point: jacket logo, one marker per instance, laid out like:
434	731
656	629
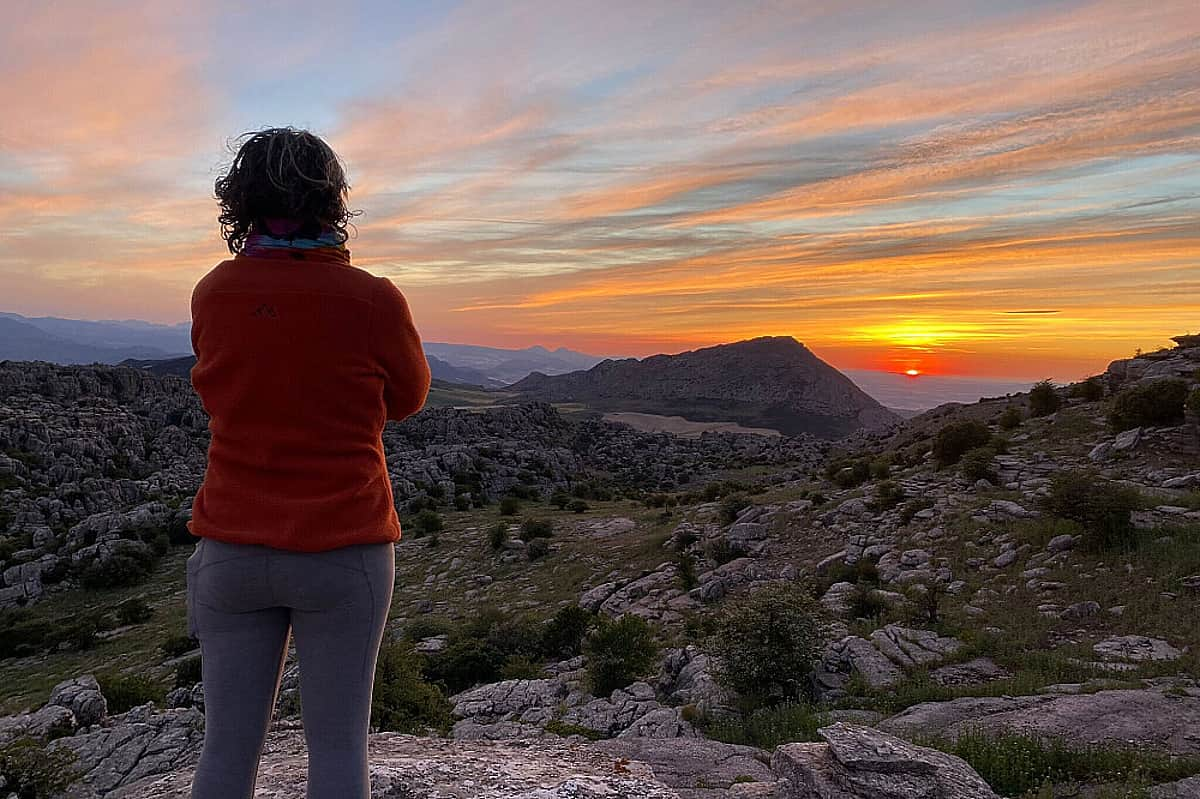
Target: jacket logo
265	311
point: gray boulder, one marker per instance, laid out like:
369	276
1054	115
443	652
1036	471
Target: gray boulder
858	762
82	697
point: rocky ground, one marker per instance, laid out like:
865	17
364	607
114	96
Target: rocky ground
955	604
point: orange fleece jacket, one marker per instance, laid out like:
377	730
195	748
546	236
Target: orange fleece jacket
301	358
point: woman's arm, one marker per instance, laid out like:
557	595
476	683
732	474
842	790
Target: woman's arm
396	347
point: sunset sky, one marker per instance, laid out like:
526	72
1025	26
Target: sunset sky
980	188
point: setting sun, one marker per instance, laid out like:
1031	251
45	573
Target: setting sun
912	372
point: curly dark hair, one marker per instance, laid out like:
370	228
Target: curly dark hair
282	173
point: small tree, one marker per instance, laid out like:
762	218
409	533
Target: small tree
1043	399
563	635
428	522
766	642
509	506
1090	390
1010	419
956	438
1159	402
1102	508
536	528
619	653
498	535
976	464
402	700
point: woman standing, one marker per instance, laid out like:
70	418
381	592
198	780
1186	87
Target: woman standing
300	360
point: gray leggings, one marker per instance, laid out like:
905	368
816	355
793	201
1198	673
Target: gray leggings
243	602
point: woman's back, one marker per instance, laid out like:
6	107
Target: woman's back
301	359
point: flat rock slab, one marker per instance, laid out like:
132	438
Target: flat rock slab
1145	717
408	767
696	768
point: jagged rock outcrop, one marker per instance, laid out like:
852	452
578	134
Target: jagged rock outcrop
1164	720
858	762
433	768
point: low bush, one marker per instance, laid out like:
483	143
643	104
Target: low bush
1102	509
1010	418
21	636
731	506
521	667
866	603
116	571
1090	390
125	691
560	499
578	506
536	528
498	535
767	641
464	663
1193	402
619	652
913	507
509	506
720	551
134	610
1159	402
957	438
1016	764
537	549
177	645
403	701
848	473
976	464
187	672
768	727
562	636
687	571
888	494
1043	399
30	770
428	522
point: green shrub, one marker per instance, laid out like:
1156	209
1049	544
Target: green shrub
119	570
768	727
21	636
913	507
1090	390
427	522
1016	764
687	571
1102	508
78	632
562	636
848	473
509	506
957	438
976	464
403	701
566	729
1010	418
536	528
134	610
1193	402
537	549
1043	399
30	770
498	535
187	672
720	551
1159	402
578	506
888	494
465	663
866	603
731	506
462	501
520	667
619	652
765	642
125	691
177	645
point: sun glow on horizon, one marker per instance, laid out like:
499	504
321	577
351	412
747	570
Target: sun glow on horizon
912	372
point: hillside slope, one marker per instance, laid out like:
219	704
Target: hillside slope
771	381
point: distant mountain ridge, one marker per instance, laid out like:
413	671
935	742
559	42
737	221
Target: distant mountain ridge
770	381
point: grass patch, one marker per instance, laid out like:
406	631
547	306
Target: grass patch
1019	764
766	728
